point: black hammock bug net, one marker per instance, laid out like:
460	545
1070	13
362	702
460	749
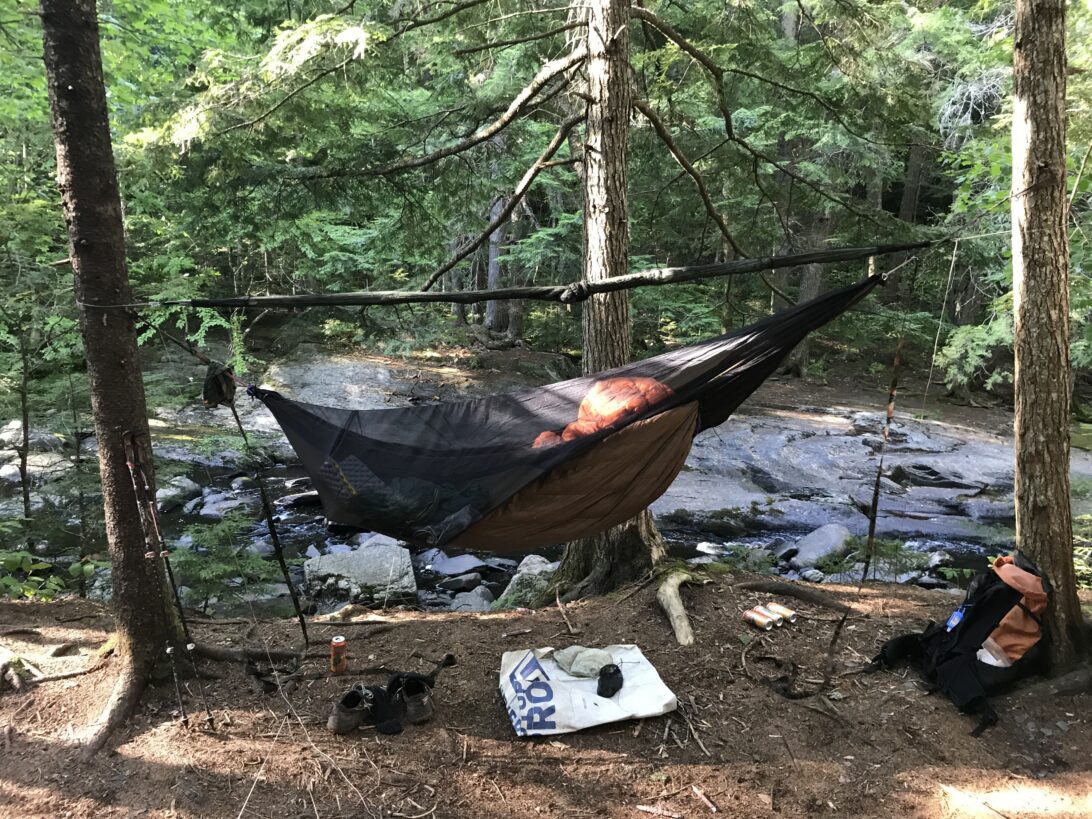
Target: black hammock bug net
514	472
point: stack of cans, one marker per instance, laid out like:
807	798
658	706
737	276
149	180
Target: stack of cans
768	616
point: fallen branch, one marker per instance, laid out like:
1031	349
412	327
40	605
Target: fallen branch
671	602
793	590
564	616
563	293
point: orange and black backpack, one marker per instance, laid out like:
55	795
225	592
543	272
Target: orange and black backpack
992	640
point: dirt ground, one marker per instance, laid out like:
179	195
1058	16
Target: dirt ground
876	746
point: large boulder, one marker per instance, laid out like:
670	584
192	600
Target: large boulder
11	435
826	541
479	599
382	572
531	579
41	467
216	506
175	492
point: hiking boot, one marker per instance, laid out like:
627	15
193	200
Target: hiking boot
415	697
351	710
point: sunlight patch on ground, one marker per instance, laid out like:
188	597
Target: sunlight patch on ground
1018	799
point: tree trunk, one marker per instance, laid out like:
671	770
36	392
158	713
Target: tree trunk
811	284
597	564
1040	272
23	450
917	166
92	211
496	312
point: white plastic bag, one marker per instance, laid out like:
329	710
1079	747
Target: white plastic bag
543	699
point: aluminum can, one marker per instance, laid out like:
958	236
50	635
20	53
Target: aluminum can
784	611
757	620
339	655
778	620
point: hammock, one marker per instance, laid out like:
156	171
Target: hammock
510	473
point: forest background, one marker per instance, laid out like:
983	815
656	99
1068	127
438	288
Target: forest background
296	147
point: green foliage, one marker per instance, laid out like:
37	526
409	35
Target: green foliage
888	557
744	558
1082	550
23	575
219	566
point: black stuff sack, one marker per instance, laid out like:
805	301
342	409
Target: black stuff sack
992	640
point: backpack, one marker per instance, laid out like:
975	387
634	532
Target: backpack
992	640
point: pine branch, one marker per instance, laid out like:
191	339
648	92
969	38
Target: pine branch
326	72
699	183
515	108
521	189
717	75
518	40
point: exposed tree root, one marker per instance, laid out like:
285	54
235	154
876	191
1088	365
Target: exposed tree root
671	602
241	655
121	704
792	590
1075	682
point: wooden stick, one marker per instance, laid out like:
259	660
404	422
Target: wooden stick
566	294
671	602
564	616
704	799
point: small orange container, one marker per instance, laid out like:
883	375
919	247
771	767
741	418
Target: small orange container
339	655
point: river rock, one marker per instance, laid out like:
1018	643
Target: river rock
478	599
930	582
299	499
452	566
938	559
262	548
11	435
529	582
367	540
812	575
383	572
41	467
176	492
216	509
923	474
786	551
826	541
242	483
462	583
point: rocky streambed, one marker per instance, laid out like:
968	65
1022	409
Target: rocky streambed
783	486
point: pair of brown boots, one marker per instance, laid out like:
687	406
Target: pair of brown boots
407	697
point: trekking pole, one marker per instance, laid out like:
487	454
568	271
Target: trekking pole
177	687
271	527
153	537
226	381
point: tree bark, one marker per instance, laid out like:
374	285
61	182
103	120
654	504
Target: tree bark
1040	262
496	312
92	212
623	553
